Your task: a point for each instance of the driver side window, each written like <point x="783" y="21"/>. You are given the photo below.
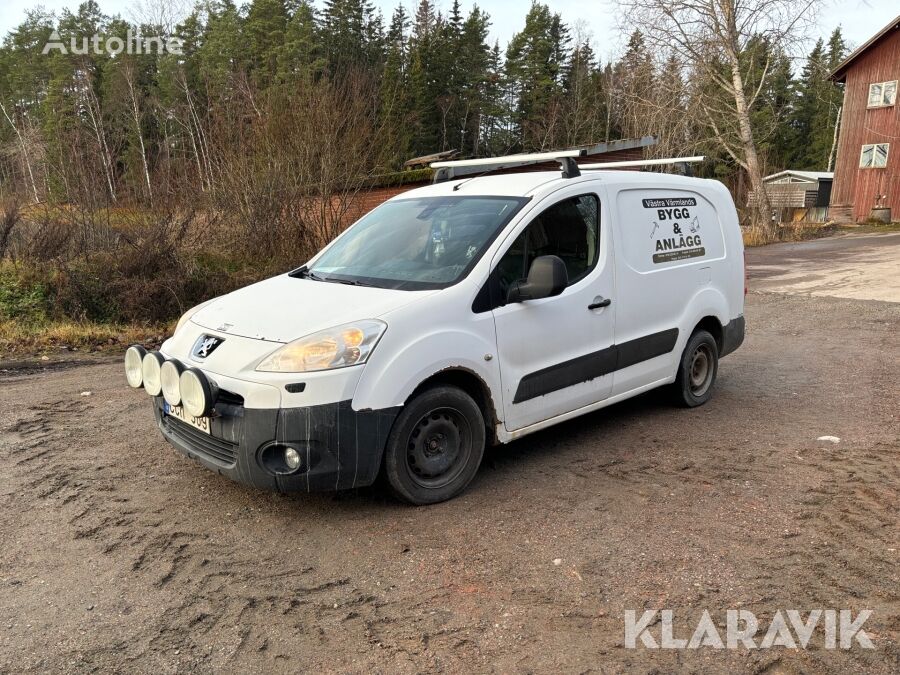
<point x="569" y="229"/>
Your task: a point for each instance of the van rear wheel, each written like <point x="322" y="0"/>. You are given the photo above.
<point x="435" y="447"/>
<point x="697" y="370"/>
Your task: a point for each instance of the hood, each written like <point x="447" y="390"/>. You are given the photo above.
<point x="284" y="308"/>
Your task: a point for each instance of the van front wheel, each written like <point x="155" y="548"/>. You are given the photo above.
<point x="435" y="448"/>
<point x="697" y="370"/>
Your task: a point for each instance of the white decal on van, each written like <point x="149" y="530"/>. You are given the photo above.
<point x="674" y="245"/>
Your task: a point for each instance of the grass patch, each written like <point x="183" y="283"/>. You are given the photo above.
<point x="876" y="227"/>
<point x="23" y="297"/>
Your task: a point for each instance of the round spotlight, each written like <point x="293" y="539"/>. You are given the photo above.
<point x="134" y="357"/>
<point x="169" y="377"/>
<point x="150" y="368"/>
<point x="291" y="458"/>
<point x="198" y="394"/>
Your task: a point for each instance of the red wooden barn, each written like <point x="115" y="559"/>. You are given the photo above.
<point x="867" y="169"/>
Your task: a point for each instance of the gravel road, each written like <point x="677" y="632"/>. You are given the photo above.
<point x="118" y="554"/>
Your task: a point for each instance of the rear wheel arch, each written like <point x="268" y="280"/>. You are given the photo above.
<point x="713" y="326"/>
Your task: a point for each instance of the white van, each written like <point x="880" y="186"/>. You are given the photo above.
<point x="455" y="316"/>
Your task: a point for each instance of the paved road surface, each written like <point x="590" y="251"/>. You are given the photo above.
<point x="117" y="554"/>
<point x="861" y="267"/>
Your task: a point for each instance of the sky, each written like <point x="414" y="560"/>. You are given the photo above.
<point x="859" y="19"/>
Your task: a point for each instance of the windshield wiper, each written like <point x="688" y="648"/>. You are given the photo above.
<point x="347" y="282"/>
<point x="305" y="273"/>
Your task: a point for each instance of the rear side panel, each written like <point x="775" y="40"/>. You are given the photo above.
<point x="677" y="263"/>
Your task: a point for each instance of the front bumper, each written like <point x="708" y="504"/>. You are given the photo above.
<point x="340" y="447"/>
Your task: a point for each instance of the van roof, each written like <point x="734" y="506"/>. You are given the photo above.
<point x="528" y="183"/>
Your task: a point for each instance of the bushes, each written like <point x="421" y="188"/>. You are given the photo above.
<point x="134" y="287"/>
<point x="150" y="267"/>
<point x="24" y="297"/>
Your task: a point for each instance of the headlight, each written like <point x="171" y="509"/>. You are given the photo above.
<point x="150" y="369"/>
<point x="198" y="394"/>
<point x="188" y="314"/>
<point x="169" y="375"/>
<point x="338" y="347"/>
<point x="134" y="357"/>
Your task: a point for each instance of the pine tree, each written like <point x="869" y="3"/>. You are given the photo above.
<point x="301" y="57"/>
<point x="394" y="93"/>
<point x="474" y="62"/>
<point x="582" y="91"/>
<point x="425" y="79"/>
<point x="633" y="87"/>
<point x="534" y="63"/>
<point x="352" y="35"/>
<point x="265" y="29"/>
<point x="817" y="103"/>
<point x="221" y="54"/>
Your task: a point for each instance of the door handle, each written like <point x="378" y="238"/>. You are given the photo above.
<point x="602" y="302"/>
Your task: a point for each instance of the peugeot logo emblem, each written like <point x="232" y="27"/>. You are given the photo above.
<point x="205" y="346"/>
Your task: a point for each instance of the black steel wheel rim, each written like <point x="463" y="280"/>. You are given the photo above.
<point x="438" y="448"/>
<point x="701" y="370"/>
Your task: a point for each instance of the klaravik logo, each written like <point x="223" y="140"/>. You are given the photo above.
<point x="840" y="629"/>
<point x="205" y="346"/>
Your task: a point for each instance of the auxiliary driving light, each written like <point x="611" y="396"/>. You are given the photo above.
<point x="291" y="458"/>
<point x="134" y="357"/>
<point x="198" y="394"/>
<point x="169" y="376"/>
<point x="150" y="368"/>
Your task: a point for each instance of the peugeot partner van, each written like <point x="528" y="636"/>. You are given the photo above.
<point x="452" y="317"/>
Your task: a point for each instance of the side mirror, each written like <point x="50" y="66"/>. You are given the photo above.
<point x="546" y="278"/>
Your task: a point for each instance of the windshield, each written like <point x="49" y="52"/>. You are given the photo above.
<point x="415" y="244"/>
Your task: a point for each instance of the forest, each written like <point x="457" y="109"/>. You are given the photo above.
<point x="135" y="184"/>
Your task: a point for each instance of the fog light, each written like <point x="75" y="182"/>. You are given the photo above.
<point x="150" y="369"/>
<point x="134" y="358"/>
<point x="291" y="458"/>
<point x="169" y="374"/>
<point x="198" y="394"/>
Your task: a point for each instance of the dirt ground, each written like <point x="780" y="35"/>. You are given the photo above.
<point x="118" y="554"/>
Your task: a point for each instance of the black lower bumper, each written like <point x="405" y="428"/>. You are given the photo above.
<point x="732" y="335"/>
<point x="339" y="447"/>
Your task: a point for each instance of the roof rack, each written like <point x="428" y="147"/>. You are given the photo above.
<point x="643" y="162"/>
<point x="445" y="171"/>
<point x="682" y="162"/>
<point x="459" y="168"/>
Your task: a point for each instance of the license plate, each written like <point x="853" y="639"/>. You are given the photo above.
<point x="177" y="411"/>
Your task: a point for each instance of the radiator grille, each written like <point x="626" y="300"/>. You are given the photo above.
<point x="215" y="449"/>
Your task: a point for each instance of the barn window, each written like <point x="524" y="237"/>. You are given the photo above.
<point x="874" y="156"/>
<point x="882" y="94"/>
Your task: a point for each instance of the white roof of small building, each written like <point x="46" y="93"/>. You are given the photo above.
<point x="811" y="176"/>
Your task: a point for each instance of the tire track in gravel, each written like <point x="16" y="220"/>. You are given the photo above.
<point x="200" y="573"/>
<point x="731" y="505"/>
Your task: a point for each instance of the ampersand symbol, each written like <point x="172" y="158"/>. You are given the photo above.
<point x="677" y="228"/>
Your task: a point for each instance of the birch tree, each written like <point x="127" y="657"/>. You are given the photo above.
<point x="26" y="155"/>
<point x="711" y="37"/>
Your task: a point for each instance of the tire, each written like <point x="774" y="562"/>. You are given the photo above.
<point x="435" y="446"/>
<point x="697" y="370"/>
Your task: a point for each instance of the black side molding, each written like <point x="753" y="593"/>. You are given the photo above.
<point x="596" y="364"/>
